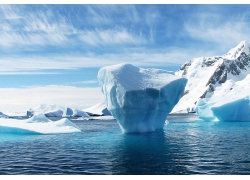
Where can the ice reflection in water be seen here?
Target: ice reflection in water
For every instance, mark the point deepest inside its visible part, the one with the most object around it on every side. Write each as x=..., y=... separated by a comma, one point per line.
x=182, y=147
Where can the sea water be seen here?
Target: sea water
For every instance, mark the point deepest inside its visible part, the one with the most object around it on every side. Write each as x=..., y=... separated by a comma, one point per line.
x=184, y=146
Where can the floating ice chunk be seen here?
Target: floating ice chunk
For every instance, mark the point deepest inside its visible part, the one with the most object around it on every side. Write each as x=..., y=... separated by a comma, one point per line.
x=49, y=110
x=203, y=109
x=37, y=118
x=231, y=105
x=37, y=126
x=238, y=110
x=59, y=111
x=74, y=113
x=140, y=99
x=99, y=109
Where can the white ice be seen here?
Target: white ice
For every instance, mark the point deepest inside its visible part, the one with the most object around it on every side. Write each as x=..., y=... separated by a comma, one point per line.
x=99, y=109
x=140, y=99
x=199, y=74
x=38, y=124
x=238, y=110
x=58, y=111
x=231, y=103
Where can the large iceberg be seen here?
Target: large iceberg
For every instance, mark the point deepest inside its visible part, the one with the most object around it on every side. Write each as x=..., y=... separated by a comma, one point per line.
x=140, y=99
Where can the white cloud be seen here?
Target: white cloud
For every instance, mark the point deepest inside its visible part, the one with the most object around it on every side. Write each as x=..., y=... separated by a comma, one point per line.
x=85, y=82
x=42, y=28
x=8, y=13
x=19, y=28
x=21, y=99
x=114, y=36
x=225, y=34
x=36, y=65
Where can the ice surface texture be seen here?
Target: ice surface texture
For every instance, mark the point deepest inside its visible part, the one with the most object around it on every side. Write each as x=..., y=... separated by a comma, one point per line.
x=140, y=99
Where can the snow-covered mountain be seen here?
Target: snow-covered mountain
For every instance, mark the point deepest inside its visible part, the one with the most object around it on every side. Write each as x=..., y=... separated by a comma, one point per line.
x=210, y=78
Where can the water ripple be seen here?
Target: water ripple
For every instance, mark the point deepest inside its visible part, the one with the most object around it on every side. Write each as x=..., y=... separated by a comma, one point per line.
x=180, y=148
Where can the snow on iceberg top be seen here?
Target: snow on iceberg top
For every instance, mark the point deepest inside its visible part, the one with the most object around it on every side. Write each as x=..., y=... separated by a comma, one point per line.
x=234, y=53
x=134, y=78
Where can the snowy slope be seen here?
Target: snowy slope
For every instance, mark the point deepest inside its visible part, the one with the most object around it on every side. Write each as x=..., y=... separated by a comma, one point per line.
x=210, y=78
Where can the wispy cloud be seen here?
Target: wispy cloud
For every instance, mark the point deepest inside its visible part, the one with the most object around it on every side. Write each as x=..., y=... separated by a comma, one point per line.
x=225, y=33
x=21, y=99
x=85, y=82
x=42, y=39
x=114, y=36
x=47, y=64
x=33, y=28
x=8, y=13
x=45, y=27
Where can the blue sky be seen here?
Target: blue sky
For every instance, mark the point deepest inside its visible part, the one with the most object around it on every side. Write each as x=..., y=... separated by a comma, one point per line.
x=63, y=46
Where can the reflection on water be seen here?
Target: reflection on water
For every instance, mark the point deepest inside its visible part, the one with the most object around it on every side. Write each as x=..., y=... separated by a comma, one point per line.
x=148, y=153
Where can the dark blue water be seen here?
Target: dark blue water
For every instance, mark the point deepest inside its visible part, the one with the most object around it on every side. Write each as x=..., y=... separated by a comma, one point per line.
x=182, y=147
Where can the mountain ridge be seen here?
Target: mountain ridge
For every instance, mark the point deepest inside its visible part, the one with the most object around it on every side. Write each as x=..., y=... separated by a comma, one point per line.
x=207, y=75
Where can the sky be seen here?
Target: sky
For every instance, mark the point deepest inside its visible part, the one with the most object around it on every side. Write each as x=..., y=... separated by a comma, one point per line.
x=51, y=54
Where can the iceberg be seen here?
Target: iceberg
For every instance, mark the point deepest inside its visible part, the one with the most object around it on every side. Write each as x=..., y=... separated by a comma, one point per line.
x=140, y=99
x=229, y=105
x=49, y=110
x=38, y=124
x=99, y=109
x=238, y=110
x=55, y=112
x=74, y=113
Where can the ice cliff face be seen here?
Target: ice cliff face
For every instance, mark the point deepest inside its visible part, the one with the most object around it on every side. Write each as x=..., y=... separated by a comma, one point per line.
x=211, y=78
x=140, y=99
